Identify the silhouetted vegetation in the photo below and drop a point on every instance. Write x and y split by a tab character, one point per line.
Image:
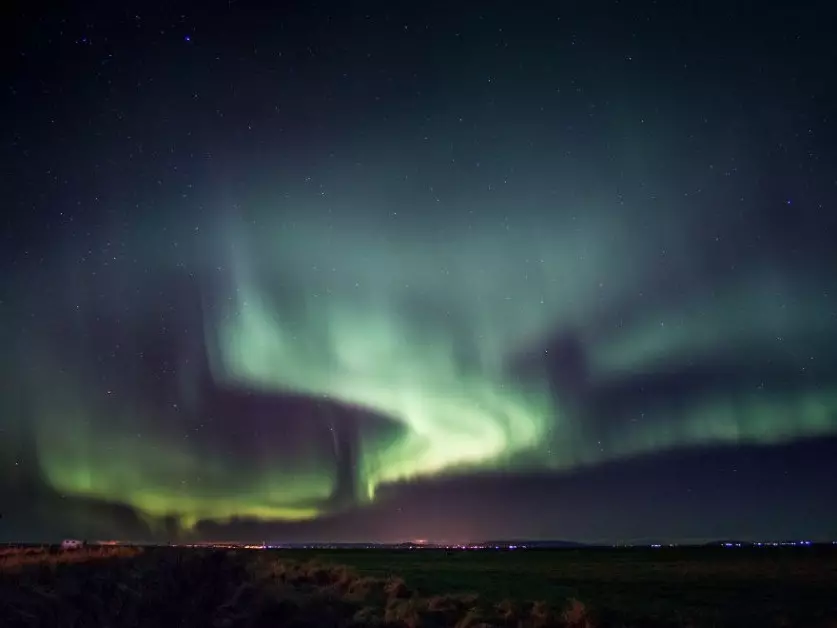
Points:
119	586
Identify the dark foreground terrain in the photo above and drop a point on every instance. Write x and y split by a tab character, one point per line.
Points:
585	587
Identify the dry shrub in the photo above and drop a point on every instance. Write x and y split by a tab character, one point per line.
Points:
367	589
390	601
577	615
194	589
24	557
368	616
407	612
446	610
476	617
397	588
512	612
541	615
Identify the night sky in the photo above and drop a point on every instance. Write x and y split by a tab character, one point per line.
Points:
388	270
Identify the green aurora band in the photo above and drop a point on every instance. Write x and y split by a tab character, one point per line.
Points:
83	455
426	335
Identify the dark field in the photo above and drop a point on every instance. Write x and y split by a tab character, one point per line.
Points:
586	587
716	585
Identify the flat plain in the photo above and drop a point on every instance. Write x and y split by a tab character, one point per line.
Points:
124	586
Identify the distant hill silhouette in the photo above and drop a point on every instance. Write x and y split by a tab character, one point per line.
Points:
555	543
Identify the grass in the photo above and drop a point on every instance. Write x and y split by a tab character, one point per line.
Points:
117	586
711	586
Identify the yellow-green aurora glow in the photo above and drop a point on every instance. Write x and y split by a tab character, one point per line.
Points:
448	338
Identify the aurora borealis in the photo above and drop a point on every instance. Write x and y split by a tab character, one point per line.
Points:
310	273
